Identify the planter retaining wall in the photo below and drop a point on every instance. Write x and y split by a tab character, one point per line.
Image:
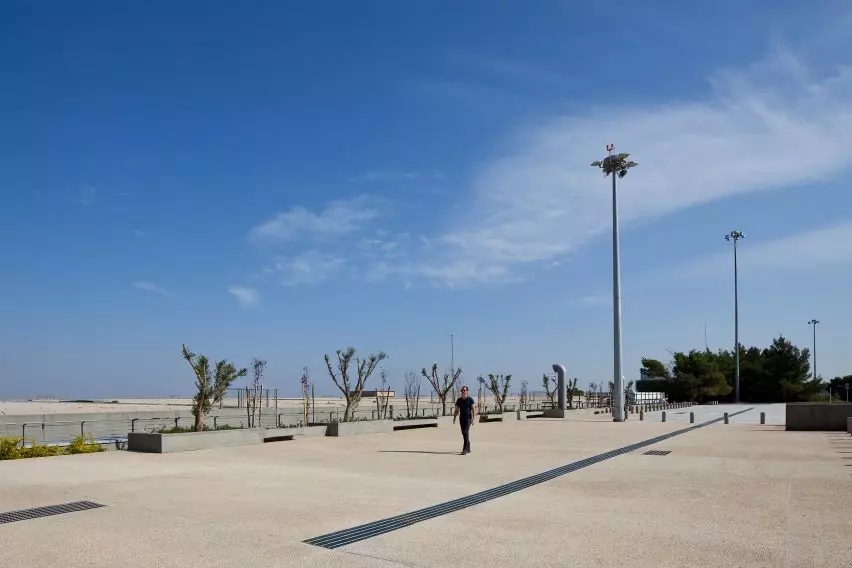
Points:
339	429
190	441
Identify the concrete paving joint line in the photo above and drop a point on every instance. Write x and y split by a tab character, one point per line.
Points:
376	528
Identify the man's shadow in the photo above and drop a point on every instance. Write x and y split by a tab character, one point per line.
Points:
418	452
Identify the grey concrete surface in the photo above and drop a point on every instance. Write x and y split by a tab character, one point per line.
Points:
822	416
741	495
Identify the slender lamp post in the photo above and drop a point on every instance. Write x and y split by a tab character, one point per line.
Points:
616	165
735	236
814	323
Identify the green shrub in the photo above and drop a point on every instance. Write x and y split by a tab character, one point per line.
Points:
13	448
187	429
83	445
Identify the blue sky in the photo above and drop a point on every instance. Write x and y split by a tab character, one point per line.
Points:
288	178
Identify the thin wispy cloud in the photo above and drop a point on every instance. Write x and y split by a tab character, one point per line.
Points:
138	233
336	219
310	267
244	295
396	175
804	251
152	288
776	124
87	195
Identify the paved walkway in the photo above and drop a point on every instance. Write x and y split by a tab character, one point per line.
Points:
727	495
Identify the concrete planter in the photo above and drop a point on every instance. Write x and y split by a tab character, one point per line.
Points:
190	441
339	429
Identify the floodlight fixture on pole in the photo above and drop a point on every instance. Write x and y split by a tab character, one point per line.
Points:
617	166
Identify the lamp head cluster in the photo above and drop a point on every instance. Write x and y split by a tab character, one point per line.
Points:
734	235
814	322
616	164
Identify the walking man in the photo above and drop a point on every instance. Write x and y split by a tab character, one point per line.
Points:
466	411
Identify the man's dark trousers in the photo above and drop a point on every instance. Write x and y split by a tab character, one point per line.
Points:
465	428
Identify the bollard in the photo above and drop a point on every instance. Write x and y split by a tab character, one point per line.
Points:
215	422
664	415
763	418
82	426
726	418
133	424
391	411
641	415
692	418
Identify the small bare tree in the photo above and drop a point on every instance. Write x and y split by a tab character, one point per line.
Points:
572	389
383	397
550	385
499	387
592	393
211	384
306	397
364	368
255	393
412	394
442	388
524	394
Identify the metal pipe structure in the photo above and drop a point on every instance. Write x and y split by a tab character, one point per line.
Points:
560	382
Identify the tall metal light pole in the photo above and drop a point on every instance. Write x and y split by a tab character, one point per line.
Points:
452	354
735	236
617	166
814	323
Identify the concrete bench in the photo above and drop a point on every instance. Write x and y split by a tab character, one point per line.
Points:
416	423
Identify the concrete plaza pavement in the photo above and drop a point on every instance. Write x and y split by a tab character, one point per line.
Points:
741	495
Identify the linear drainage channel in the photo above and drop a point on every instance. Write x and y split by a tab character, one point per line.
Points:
376	528
657	453
49	511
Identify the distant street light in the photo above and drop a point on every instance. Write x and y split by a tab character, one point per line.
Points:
617	166
814	323
735	236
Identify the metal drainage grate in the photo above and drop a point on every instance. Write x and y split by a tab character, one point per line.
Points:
376	528
657	453
49	511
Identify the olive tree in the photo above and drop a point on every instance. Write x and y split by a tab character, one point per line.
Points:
211	384
342	379
442	387
499	387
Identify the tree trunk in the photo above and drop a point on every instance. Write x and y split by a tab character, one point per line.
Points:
199	420
444	405
347	410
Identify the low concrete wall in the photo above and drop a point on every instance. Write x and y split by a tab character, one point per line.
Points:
190	441
280	434
554	413
412	424
311	431
818	416
338	429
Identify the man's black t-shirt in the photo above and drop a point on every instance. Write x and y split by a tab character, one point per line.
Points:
465	406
